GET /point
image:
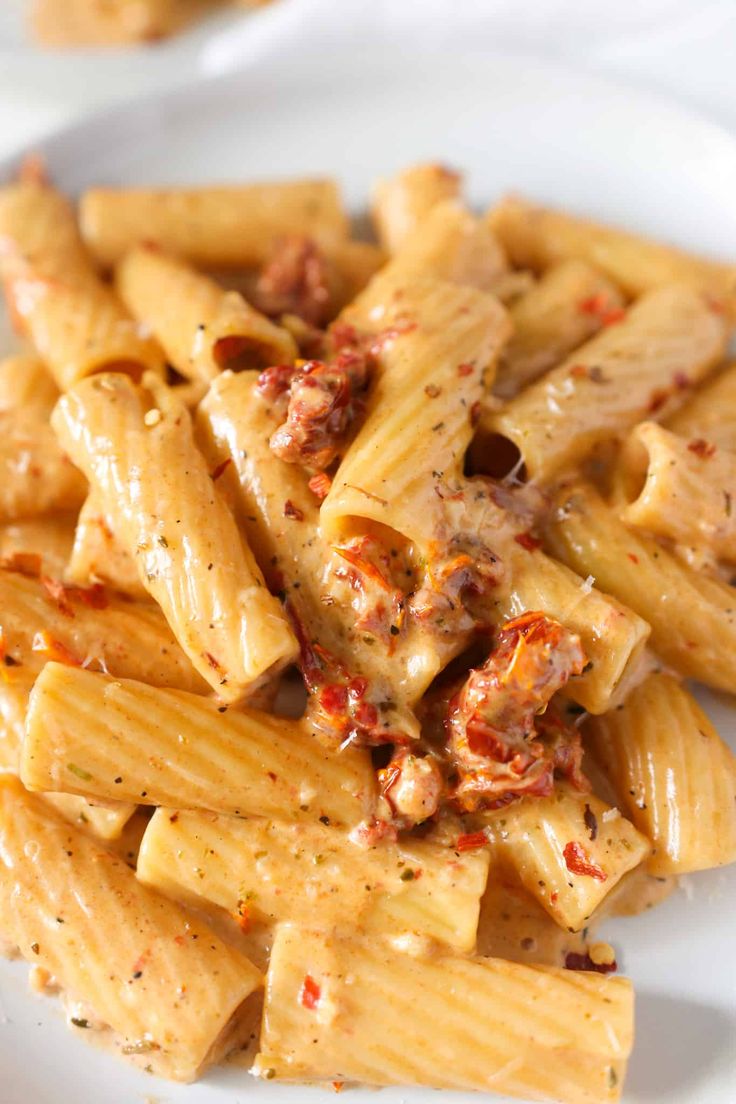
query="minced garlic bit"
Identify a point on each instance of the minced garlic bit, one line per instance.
(152, 417)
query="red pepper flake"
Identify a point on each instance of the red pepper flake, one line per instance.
(657, 399)
(54, 649)
(293, 512)
(432, 391)
(579, 371)
(139, 963)
(598, 306)
(526, 540)
(681, 381)
(553, 897)
(338, 1086)
(716, 305)
(310, 993)
(577, 862)
(614, 315)
(576, 961)
(215, 475)
(212, 661)
(180, 940)
(320, 485)
(633, 557)
(701, 448)
(465, 369)
(475, 412)
(58, 593)
(471, 842)
(95, 596)
(594, 304)
(22, 563)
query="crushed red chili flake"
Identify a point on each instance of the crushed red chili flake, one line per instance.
(577, 862)
(633, 557)
(338, 1086)
(310, 993)
(576, 961)
(93, 596)
(465, 369)
(701, 448)
(714, 304)
(475, 413)
(598, 306)
(471, 842)
(54, 649)
(616, 314)
(215, 475)
(579, 371)
(293, 512)
(526, 540)
(681, 381)
(657, 399)
(320, 485)
(58, 594)
(212, 661)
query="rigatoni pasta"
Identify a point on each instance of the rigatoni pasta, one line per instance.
(374, 1013)
(569, 305)
(55, 296)
(36, 477)
(83, 728)
(687, 492)
(166, 509)
(402, 202)
(640, 367)
(59, 911)
(537, 237)
(201, 328)
(675, 776)
(693, 617)
(267, 872)
(215, 227)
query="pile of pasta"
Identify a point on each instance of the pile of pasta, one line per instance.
(64, 23)
(347, 593)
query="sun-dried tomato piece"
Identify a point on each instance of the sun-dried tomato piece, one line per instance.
(493, 740)
(296, 280)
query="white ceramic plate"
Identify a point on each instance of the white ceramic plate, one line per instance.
(510, 122)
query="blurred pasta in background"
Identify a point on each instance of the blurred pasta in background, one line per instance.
(60, 23)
